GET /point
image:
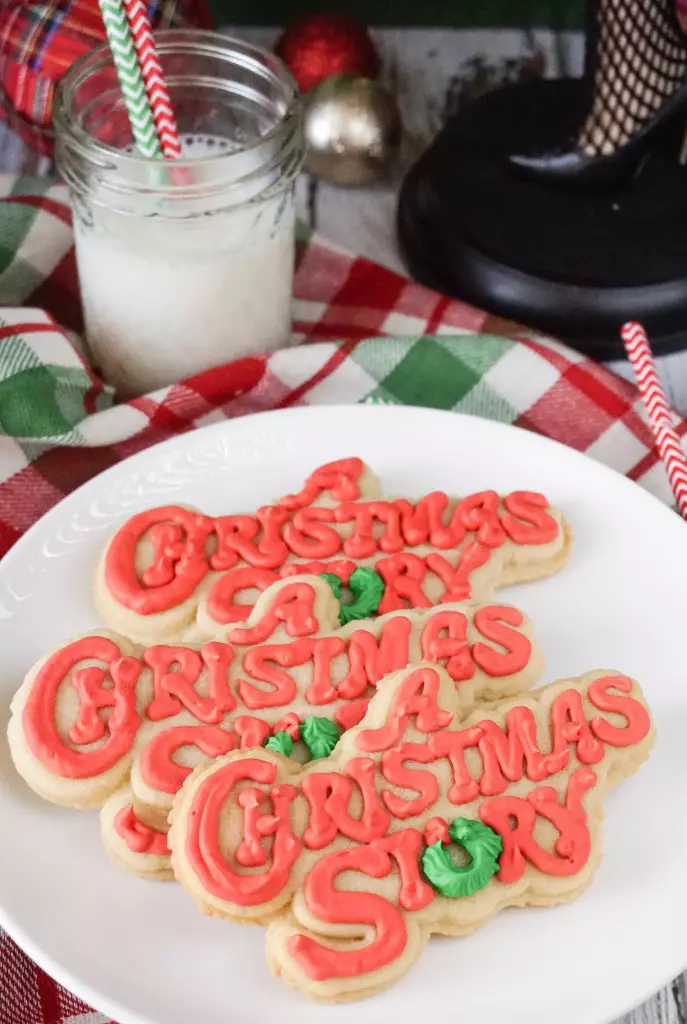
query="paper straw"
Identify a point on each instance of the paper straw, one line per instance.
(153, 79)
(667, 441)
(130, 78)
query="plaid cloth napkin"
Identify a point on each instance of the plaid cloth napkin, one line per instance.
(59, 424)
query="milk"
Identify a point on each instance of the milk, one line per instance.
(167, 297)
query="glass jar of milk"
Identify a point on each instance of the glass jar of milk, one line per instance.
(183, 264)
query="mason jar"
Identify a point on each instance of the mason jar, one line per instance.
(183, 264)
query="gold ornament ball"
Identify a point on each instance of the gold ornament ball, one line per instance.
(352, 131)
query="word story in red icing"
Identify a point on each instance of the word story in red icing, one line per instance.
(335, 523)
(290, 661)
(563, 748)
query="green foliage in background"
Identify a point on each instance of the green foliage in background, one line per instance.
(555, 14)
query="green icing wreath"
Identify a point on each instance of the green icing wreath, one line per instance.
(367, 587)
(281, 743)
(320, 736)
(484, 846)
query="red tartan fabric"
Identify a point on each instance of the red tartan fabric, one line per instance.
(40, 40)
(29, 996)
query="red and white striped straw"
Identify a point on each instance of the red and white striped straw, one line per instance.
(667, 440)
(154, 81)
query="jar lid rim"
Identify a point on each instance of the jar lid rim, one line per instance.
(195, 41)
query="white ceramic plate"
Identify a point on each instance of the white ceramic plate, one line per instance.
(141, 952)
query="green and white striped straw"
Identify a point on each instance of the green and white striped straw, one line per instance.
(130, 78)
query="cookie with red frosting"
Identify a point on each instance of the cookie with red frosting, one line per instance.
(351, 861)
(173, 573)
(103, 721)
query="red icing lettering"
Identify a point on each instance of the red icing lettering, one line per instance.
(339, 479)
(93, 695)
(220, 601)
(453, 746)
(370, 660)
(480, 513)
(638, 721)
(350, 715)
(179, 562)
(436, 830)
(40, 727)
(363, 542)
(158, 768)
(403, 575)
(308, 536)
(571, 849)
(423, 522)
(452, 646)
(290, 723)
(493, 624)
(174, 689)
(347, 907)
(252, 732)
(328, 794)
(138, 837)
(236, 536)
(250, 853)
(213, 870)
(179, 541)
(294, 605)
(395, 772)
(324, 650)
(218, 657)
(168, 546)
(417, 695)
(225, 557)
(255, 664)
(525, 520)
(223, 608)
(506, 752)
(404, 847)
(569, 725)
(457, 581)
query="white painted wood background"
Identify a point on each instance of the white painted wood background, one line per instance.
(424, 68)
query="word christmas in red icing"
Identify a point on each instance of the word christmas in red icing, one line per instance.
(436, 549)
(145, 717)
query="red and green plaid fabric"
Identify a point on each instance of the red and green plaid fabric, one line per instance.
(40, 40)
(404, 344)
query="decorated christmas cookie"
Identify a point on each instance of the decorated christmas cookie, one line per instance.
(104, 721)
(423, 820)
(137, 847)
(172, 573)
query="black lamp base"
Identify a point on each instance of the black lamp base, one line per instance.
(566, 261)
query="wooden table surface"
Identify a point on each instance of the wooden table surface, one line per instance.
(428, 71)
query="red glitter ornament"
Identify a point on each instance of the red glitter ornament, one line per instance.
(320, 45)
